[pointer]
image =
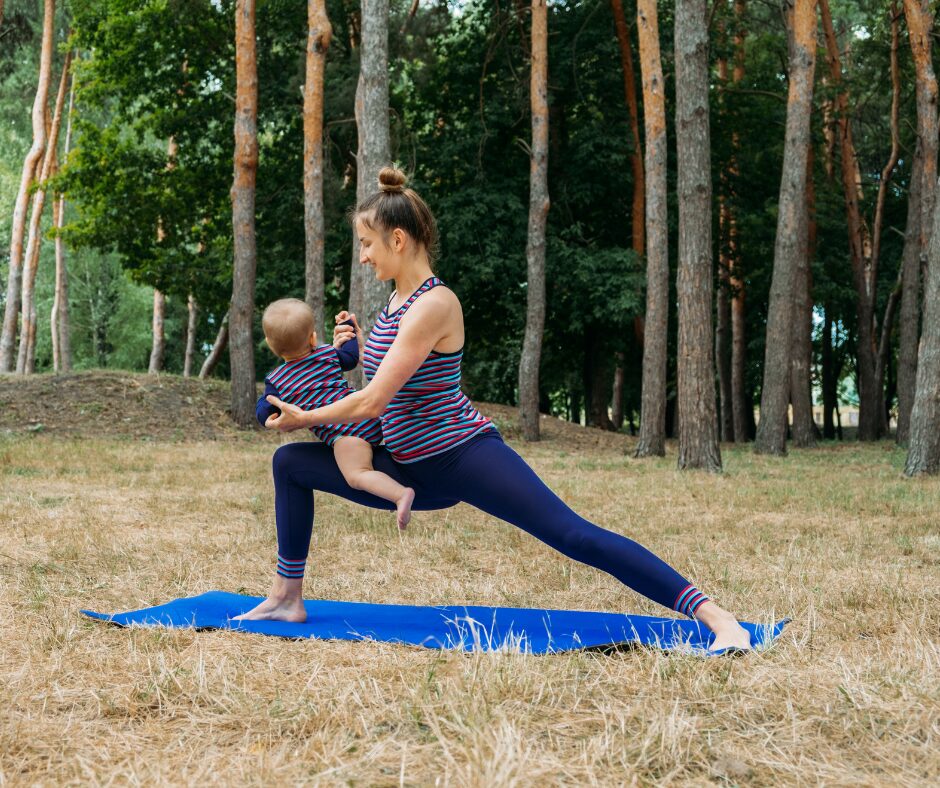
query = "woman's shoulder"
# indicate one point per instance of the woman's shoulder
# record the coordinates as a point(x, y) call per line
point(435, 302)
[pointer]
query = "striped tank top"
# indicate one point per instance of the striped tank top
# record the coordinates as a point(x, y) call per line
point(430, 414)
point(314, 381)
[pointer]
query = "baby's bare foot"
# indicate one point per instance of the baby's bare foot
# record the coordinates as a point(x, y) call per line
point(403, 508)
point(274, 609)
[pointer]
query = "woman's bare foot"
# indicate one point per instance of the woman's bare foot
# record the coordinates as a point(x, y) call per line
point(403, 508)
point(728, 632)
point(284, 603)
point(271, 609)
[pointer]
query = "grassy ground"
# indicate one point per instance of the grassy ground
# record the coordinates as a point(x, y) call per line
point(834, 538)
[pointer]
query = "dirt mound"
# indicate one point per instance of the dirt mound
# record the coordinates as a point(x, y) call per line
point(170, 408)
point(117, 404)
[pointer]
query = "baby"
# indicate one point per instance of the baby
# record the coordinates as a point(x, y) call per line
point(311, 377)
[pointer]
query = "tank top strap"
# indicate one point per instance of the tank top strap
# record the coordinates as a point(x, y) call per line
point(429, 284)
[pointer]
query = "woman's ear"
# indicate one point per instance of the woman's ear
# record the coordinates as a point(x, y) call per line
point(399, 239)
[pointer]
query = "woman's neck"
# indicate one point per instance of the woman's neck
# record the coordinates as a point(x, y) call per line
point(413, 275)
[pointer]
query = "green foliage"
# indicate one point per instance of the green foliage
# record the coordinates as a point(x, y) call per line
point(460, 126)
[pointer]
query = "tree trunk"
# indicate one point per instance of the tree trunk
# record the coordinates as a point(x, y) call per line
point(241, 315)
point(158, 345)
point(652, 440)
point(638, 217)
point(535, 241)
point(18, 228)
point(909, 319)
point(884, 342)
point(723, 328)
point(319, 35)
point(920, 205)
point(723, 295)
point(60, 318)
point(191, 325)
point(367, 295)
point(923, 454)
point(864, 273)
point(829, 376)
point(791, 242)
point(801, 341)
point(26, 357)
point(218, 348)
point(636, 156)
point(883, 358)
point(158, 333)
point(616, 405)
point(698, 422)
point(742, 410)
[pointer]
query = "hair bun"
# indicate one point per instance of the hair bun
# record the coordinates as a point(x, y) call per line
point(391, 179)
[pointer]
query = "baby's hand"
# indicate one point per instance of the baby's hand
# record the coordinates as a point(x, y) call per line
point(342, 332)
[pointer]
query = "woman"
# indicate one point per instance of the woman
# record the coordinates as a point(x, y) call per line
point(436, 442)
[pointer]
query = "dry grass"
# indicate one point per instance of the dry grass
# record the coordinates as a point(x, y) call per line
point(834, 538)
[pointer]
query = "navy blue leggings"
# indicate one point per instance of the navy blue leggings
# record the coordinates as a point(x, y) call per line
point(483, 472)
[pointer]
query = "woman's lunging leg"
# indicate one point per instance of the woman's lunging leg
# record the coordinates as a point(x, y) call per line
point(299, 469)
point(491, 476)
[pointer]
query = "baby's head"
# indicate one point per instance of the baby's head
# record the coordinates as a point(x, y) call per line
point(289, 328)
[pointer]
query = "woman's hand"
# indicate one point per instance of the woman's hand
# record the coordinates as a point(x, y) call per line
point(343, 333)
point(289, 419)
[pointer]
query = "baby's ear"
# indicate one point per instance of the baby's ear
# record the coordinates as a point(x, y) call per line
point(313, 337)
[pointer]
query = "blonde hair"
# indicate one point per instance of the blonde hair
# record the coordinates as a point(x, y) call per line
point(287, 324)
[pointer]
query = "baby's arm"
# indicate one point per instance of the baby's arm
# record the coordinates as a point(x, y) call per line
point(264, 409)
point(348, 351)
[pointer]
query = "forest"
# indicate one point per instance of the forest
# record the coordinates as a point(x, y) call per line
point(708, 221)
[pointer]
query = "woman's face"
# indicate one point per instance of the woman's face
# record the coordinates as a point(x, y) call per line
point(374, 251)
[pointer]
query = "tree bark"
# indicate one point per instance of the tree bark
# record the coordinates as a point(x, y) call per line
point(790, 242)
point(742, 410)
point(638, 217)
point(864, 272)
point(829, 376)
point(60, 324)
point(158, 344)
point(723, 295)
point(652, 440)
point(191, 326)
point(241, 315)
point(367, 295)
point(923, 454)
point(18, 229)
point(616, 405)
point(698, 422)
point(535, 240)
point(158, 333)
point(218, 348)
point(909, 318)
point(636, 157)
point(801, 341)
point(883, 348)
point(26, 357)
point(919, 19)
point(319, 36)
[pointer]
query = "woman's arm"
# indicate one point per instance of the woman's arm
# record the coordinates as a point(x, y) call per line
point(427, 322)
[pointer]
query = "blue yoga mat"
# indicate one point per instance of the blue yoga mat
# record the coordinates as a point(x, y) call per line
point(469, 628)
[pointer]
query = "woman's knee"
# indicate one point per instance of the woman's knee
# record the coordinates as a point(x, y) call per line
point(581, 540)
point(284, 460)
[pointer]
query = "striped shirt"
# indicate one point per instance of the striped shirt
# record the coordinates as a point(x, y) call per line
point(430, 414)
point(312, 382)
